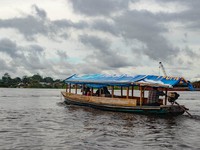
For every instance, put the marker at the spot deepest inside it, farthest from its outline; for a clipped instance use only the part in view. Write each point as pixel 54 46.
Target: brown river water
pixel 37 119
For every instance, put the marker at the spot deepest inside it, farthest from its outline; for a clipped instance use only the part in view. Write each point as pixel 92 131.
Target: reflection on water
pixel 37 119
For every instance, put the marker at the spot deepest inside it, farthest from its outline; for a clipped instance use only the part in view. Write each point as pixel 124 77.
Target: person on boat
pixel 99 92
pixel 106 92
pixel 88 91
pixel 153 98
pixel 83 90
pixel 103 92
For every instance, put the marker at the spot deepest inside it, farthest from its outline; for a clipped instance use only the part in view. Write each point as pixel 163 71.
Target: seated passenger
pixel 99 92
pixel 88 91
pixel 106 92
pixel 153 98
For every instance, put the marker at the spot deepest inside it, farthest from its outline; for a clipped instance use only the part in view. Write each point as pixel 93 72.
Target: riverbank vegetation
pixel 196 84
pixel 35 81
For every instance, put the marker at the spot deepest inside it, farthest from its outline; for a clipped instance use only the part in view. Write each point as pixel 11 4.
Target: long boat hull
pixel 121 105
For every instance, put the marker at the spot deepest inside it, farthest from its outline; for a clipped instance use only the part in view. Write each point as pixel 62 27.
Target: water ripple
pixel 38 121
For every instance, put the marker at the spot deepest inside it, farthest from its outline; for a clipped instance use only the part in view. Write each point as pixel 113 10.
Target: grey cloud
pixel 3 65
pixel 67 23
pixel 9 47
pixel 104 26
pixel 99 7
pixel 62 54
pixel 86 68
pixel 95 42
pixel 33 59
pixel 158 48
pixel 144 26
pixel 140 24
pixel 28 26
pixel 103 54
pixel 36 48
pixel 30 57
pixel 64 36
pixel 114 60
pixel 190 53
pixel 40 12
pixel 31 25
pixel 104 61
pixel 189 17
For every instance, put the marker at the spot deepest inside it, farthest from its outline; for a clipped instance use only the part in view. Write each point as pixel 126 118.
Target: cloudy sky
pixel 62 37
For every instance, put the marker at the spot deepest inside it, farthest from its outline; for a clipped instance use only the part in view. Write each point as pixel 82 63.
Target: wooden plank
pixel 150 107
pixel 124 103
pixel 101 100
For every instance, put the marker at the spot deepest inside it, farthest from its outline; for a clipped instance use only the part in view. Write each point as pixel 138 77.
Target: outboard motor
pixel 172 97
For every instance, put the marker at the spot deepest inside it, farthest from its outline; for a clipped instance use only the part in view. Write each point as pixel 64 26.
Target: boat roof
pixel 97 80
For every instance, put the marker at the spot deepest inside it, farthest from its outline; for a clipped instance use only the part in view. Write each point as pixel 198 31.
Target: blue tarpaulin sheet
pixel 100 80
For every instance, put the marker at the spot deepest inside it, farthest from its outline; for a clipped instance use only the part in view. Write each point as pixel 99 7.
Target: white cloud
pixel 63 37
pixel 155 6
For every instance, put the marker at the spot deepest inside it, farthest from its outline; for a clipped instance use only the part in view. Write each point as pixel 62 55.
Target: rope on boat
pixel 183 108
pixel 172 97
pixel 61 96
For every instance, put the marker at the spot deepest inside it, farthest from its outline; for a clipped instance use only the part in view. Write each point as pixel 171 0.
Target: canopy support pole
pixel 83 87
pixel 112 91
pixel 70 88
pixel 165 96
pixel 100 92
pixel 66 87
pixel 141 95
pixel 76 89
pixel 127 93
pixel 121 91
pixel 92 91
pixel 132 90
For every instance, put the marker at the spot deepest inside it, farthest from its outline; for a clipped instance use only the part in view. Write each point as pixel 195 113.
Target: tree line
pixel 196 84
pixel 35 81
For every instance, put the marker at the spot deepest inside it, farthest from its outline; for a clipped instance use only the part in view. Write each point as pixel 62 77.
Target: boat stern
pixel 173 109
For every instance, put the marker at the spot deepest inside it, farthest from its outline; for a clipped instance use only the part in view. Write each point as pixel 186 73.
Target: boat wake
pixel 61 104
pixel 195 117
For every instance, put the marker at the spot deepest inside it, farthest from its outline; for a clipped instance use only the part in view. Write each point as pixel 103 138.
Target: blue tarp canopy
pixel 100 80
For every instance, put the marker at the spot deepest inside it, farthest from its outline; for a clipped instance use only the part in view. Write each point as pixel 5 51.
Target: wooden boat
pixel 124 103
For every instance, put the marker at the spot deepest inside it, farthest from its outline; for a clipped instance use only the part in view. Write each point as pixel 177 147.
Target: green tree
pixel 35 84
pixel 16 81
pixel 26 80
pixel 37 77
pixel 48 80
pixel 6 79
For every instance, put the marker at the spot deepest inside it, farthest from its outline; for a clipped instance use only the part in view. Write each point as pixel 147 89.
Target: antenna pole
pixel 163 69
